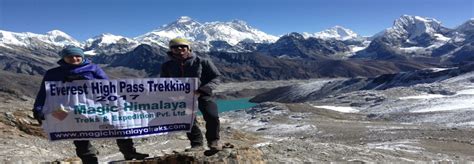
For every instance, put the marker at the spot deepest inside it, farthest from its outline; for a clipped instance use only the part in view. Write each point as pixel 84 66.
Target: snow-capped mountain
pixel 296 46
pixel 411 39
pixel 410 36
pixel 464 32
pixel 235 32
pixel 322 88
pixel 31 53
pixel 468 26
pixel 409 31
pixel 461 45
pixel 183 27
pixel 336 32
pixel 354 41
pixel 109 44
pixel 203 33
pixel 27 39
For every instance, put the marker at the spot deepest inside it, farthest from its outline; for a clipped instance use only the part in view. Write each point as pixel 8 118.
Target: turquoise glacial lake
pixel 230 105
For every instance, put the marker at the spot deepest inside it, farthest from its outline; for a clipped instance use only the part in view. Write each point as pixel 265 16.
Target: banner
pixel 130 108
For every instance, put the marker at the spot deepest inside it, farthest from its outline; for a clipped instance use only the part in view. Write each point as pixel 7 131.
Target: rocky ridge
pixel 287 132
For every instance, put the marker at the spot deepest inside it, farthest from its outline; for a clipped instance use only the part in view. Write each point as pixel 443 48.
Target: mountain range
pixel 404 94
pixel 245 53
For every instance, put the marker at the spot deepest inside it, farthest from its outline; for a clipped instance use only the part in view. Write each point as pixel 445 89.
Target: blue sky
pixel 84 19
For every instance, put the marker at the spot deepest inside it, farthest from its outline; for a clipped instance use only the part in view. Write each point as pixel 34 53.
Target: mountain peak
pixel 106 39
pixel 184 19
pixel 239 25
pixel 106 35
pixel 293 35
pixel 231 32
pixel 415 30
pixel 336 32
pixel 183 23
pixel 54 37
pixel 466 26
pixel 61 37
pixel 108 43
pixel 412 17
pixel 57 33
pixel 241 22
pixel 407 22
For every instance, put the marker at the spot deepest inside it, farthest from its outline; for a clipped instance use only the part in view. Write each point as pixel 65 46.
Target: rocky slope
pixel 414 123
pixel 270 132
pixel 303 133
pixel 318 89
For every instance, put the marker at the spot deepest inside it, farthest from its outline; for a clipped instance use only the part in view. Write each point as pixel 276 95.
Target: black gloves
pixel 205 91
pixel 39 116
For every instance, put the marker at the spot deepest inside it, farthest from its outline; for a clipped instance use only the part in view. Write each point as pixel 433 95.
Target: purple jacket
pixel 67 72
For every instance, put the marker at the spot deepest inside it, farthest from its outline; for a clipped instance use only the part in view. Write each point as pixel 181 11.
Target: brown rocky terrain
pixel 269 132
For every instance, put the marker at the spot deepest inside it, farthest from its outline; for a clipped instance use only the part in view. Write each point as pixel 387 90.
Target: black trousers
pixel 88 153
pixel 209 111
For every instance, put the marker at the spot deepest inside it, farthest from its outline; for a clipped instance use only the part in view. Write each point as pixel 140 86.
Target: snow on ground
pixel 464 124
pixel 466 92
pixel 354 49
pixel 462 100
pixel 441 37
pixel 291 128
pixel 464 79
pixel 338 108
pixel 411 49
pixel 437 69
pixel 452 104
pixel 308 88
pixel 404 145
pixel 251 125
pixel 384 127
pixel 267 120
pixel 262 144
pixel 423 96
pixel 280 128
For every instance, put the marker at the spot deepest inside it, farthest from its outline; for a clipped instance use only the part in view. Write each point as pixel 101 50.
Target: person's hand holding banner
pixel 60 113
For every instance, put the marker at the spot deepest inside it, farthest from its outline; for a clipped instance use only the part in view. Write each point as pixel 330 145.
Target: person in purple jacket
pixel 73 66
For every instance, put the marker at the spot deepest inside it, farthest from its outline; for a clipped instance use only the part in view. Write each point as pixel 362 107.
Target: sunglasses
pixel 179 46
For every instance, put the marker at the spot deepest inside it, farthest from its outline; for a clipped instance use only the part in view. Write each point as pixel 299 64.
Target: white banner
pixel 124 108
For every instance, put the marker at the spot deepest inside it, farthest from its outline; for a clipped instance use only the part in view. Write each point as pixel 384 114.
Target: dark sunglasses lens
pixel 179 46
